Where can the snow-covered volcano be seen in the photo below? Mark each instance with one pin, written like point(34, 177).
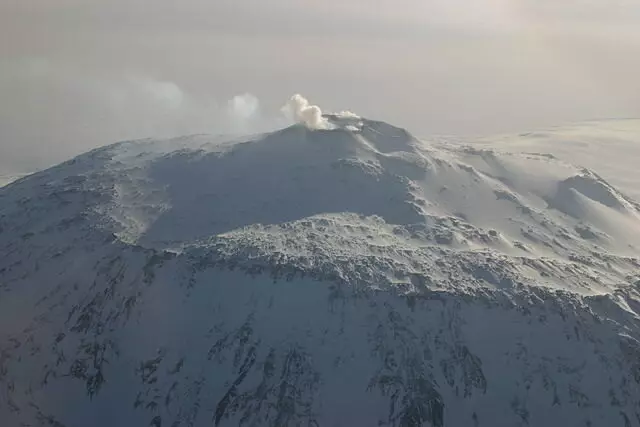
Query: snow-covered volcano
point(348, 276)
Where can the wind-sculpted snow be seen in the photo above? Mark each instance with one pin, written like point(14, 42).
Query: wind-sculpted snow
point(352, 276)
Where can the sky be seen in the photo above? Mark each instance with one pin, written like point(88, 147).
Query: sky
point(76, 74)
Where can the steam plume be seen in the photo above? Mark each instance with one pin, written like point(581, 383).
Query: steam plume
point(300, 110)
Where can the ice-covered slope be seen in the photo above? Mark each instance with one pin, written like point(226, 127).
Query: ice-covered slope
point(352, 276)
point(610, 147)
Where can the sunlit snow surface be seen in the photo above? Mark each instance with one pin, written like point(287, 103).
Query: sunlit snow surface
point(348, 276)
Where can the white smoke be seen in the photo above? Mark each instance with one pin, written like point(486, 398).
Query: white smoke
point(299, 110)
point(110, 108)
point(104, 108)
point(348, 115)
point(244, 106)
point(163, 93)
point(245, 115)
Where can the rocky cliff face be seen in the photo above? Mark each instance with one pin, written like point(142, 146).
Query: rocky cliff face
point(353, 276)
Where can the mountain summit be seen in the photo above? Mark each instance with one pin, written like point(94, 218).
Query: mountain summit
point(341, 276)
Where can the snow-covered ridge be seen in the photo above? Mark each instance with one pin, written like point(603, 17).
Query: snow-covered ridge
point(171, 193)
point(8, 179)
point(397, 199)
point(353, 275)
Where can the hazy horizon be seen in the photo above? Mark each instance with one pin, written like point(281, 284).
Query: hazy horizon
point(78, 74)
